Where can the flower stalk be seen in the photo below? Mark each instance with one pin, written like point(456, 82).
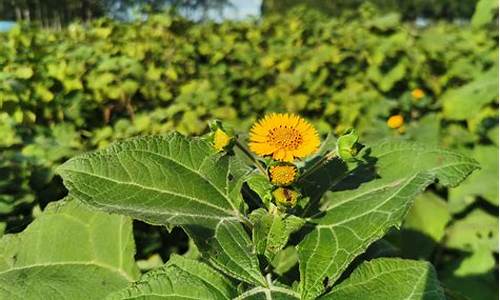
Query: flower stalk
point(252, 158)
point(320, 163)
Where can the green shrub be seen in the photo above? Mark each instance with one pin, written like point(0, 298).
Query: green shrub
point(63, 92)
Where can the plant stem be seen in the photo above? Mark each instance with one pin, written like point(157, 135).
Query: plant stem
point(252, 158)
point(246, 222)
point(327, 157)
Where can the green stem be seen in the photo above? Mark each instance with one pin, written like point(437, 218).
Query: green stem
point(252, 158)
point(246, 222)
point(327, 157)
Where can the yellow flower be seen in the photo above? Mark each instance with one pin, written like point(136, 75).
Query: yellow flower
point(284, 136)
point(417, 94)
point(221, 140)
point(285, 197)
point(283, 174)
point(395, 121)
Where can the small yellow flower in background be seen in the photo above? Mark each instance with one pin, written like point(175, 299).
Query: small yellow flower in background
point(221, 140)
point(284, 136)
point(283, 174)
point(395, 121)
point(417, 94)
point(285, 197)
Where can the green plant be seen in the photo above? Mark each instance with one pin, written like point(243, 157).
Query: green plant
point(256, 240)
point(166, 73)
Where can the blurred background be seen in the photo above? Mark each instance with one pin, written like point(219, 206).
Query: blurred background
point(78, 75)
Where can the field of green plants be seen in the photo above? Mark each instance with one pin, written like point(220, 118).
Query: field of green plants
point(64, 93)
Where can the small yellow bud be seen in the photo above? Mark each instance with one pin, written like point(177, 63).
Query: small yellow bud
point(417, 94)
point(283, 174)
point(221, 140)
point(285, 197)
point(395, 121)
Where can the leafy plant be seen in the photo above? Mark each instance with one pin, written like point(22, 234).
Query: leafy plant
point(260, 234)
point(87, 85)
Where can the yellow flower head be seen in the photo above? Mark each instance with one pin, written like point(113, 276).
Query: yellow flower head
point(417, 94)
point(221, 140)
point(284, 136)
point(283, 174)
point(395, 121)
point(285, 197)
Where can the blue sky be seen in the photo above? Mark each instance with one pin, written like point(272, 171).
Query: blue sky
point(246, 8)
point(242, 9)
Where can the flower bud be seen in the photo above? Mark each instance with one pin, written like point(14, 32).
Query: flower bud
point(283, 174)
point(285, 197)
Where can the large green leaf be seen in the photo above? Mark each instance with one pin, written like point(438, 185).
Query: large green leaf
point(228, 248)
point(285, 260)
point(424, 226)
point(373, 198)
point(484, 13)
point(389, 278)
point(478, 230)
point(69, 252)
point(473, 276)
point(483, 183)
point(180, 278)
point(466, 101)
point(161, 180)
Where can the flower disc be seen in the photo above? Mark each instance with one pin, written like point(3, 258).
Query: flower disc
point(283, 174)
point(284, 136)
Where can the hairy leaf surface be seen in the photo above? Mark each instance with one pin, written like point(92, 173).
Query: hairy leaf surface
point(229, 248)
point(69, 252)
point(180, 278)
point(389, 278)
point(168, 180)
point(370, 200)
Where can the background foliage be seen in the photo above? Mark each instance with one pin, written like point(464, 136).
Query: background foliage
point(65, 92)
point(443, 9)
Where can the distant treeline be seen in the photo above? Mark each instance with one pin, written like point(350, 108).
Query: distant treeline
point(55, 13)
point(60, 12)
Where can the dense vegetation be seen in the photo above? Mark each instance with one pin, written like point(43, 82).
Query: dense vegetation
point(64, 92)
point(428, 9)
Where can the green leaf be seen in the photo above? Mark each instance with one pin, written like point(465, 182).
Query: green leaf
point(150, 263)
point(180, 278)
point(465, 102)
point(262, 187)
point(229, 249)
point(373, 198)
point(485, 12)
point(483, 183)
point(68, 252)
point(424, 226)
point(389, 278)
point(477, 230)
point(428, 215)
point(479, 262)
point(285, 260)
point(271, 293)
point(315, 184)
point(493, 135)
point(24, 72)
point(161, 180)
point(426, 130)
point(271, 231)
point(473, 276)
point(346, 145)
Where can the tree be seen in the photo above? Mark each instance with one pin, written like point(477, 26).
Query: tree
point(61, 12)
